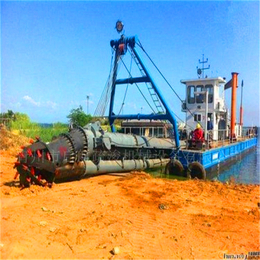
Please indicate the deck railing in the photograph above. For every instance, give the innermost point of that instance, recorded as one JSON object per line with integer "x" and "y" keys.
{"x": 218, "y": 138}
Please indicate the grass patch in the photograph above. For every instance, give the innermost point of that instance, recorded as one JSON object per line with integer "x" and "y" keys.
{"x": 45, "y": 134}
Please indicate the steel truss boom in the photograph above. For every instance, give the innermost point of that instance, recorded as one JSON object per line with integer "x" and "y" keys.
{"x": 120, "y": 47}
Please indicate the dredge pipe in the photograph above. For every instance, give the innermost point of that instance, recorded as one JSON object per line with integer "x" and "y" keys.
{"x": 88, "y": 168}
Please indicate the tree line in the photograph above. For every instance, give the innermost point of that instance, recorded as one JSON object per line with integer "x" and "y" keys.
{"x": 17, "y": 120}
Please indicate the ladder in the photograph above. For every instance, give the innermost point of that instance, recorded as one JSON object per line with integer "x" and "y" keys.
{"x": 150, "y": 88}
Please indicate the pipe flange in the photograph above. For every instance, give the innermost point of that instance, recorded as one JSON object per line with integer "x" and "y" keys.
{"x": 70, "y": 143}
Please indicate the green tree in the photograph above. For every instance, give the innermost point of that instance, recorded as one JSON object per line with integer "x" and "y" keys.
{"x": 9, "y": 114}
{"x": 22, "y": 121}
{"x": 7, "y": 117}
{"x": 79, "y": 117}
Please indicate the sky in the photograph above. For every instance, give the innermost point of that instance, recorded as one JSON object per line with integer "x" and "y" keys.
{"x": 56, "y": 53}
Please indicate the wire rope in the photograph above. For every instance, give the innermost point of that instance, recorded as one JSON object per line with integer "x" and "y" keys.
{"x": 140, "y": 45}
{"x": 123, "y": 102}
{"x": 103, "y": 102}
{"x": 143, "y": 74}
{"x": 99, "y": 107}
{"x": 139, "y": 88}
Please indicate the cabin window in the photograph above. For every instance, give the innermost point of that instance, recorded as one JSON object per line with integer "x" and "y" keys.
{"x": 150, "y": 131}
{"x": 200, "y": 97}
{"x": 197, "y": 118}
{"x": 160, "y": 132}
{"x": 135, "y": 131}
{"x": 191, "y": 95}
{"x": 209, "y": 88}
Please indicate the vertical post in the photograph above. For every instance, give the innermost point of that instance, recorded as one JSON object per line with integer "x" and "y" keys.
{"x": 111, "y": 107}
{"x": 203, "y": 67}
{"x": 241, "y": 105}
{"x": 241, "y": 116}
{"x": 206, "y": 114}
{"x": 87, "y": 104}
{"x": 233, "y": 105}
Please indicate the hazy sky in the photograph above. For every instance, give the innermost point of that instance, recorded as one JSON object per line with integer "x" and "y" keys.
{"x": 55, "y": 53}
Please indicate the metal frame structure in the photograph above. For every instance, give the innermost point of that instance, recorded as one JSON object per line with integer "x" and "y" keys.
{"x": 120, "y": 46}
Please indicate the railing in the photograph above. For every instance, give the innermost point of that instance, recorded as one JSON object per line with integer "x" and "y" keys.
{"x": 218, "y": 138}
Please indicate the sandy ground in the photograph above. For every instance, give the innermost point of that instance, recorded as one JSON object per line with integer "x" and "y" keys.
{"x": 142, "y": 217}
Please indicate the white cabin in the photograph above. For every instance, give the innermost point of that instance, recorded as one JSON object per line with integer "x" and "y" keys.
{"x": 197, "y": 110}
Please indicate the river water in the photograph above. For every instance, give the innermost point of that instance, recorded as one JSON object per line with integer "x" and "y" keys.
{"x": 245, "y": 171}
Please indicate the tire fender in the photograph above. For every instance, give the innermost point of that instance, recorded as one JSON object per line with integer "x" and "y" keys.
{"x": 196, "y": 170}
{"x": 174, "y": 167}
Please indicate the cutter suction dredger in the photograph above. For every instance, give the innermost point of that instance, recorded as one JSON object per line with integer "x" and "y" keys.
{"x": 88, "y": 151}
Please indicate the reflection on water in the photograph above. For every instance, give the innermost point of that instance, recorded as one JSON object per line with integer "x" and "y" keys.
{"x": 245, "y": 171}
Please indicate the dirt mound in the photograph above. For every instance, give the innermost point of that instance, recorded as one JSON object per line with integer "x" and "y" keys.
{"x": 12, "y": 142}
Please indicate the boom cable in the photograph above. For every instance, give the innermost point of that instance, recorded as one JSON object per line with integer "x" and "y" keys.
{"x": 138, "y": 88}
{"x": 103, "y": 101}
{"x": 140, "y": 45}
{"x": 123, "y": 102}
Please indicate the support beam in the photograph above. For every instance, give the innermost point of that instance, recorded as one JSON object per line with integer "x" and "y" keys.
{"x": 233, "y": 105}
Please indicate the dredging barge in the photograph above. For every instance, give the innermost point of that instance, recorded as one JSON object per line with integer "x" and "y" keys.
{"x": 85, "y": 151}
